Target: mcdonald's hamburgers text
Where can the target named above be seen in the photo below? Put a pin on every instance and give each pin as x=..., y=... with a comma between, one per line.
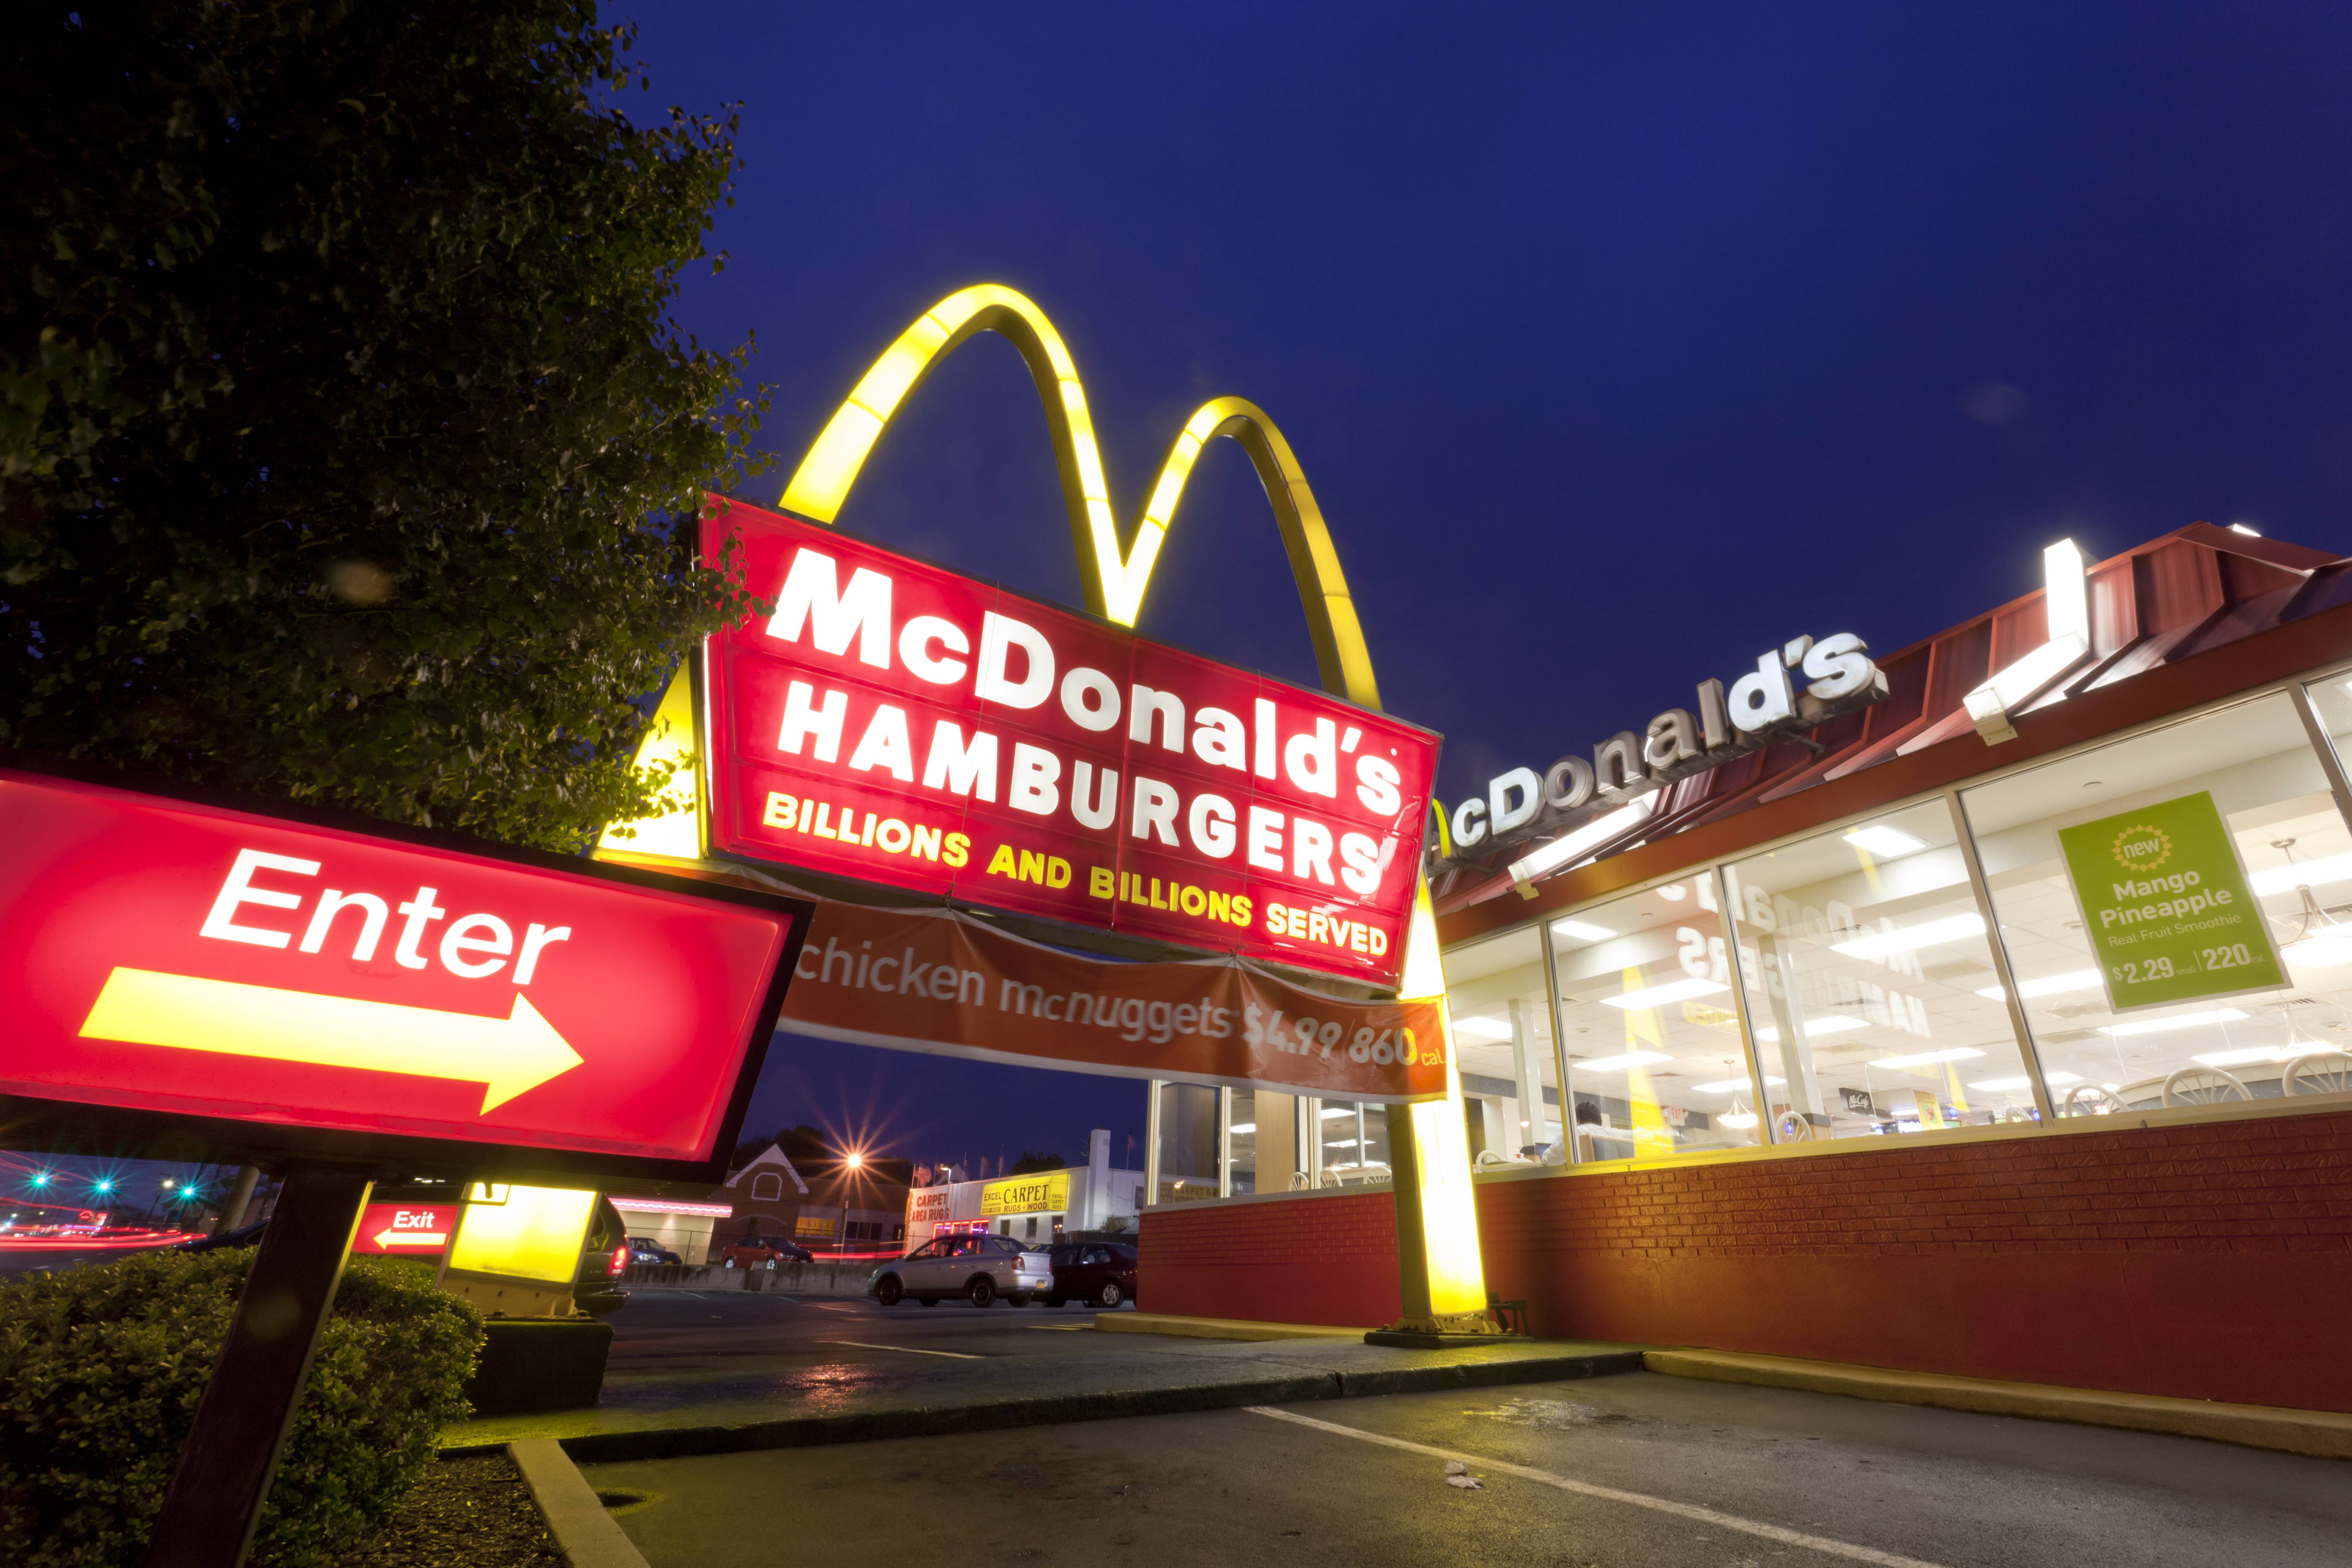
x=895, y=722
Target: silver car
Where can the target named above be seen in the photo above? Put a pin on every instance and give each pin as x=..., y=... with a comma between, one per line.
x=980, y=1268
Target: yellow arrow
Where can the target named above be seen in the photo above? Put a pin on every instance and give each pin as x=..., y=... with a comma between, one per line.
x=507, y=1055
x=409, y=1238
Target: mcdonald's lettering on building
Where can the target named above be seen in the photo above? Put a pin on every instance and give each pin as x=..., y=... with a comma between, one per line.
x=889, y=721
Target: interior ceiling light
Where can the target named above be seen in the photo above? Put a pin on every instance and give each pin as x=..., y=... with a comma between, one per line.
x=1733, y=1085
x=1928, y=1059
x=1483, y=1028
x=1903, y=938
x=1672, y=990
x=1738, y=1116
x=1885, y=842
x=2316, y=873
x=2002, y=1085
x=1584, y=930
x=1330, y=1112
x=2319, y=942
x=1620, y=1064
x=1837, y=1024
x=2240, y=1057
x=1569, y=847
x=2177, y=1021
x=1673, y=892
x=1243, y=1127
x=2048, y=985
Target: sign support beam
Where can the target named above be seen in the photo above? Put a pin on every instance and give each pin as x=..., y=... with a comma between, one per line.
x=232, y=1453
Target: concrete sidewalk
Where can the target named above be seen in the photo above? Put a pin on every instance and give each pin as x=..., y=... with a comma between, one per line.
x=667, y=1414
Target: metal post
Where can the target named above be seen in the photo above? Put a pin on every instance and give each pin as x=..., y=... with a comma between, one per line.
x=1558, y=1041
x=2027, y=1052
x=1150, y=1144
x=1224, y=1143
x=1728, y=917
x=232, y=1452
x=240, y=1197
x=2321, y=741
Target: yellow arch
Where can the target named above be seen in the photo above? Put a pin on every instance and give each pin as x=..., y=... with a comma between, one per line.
x=1115, y=578
x=1442, y=1278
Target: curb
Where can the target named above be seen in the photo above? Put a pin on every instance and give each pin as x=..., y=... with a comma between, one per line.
x=584, y=1531
x=883, y=1425
x=1217, y=1328
x=2322, y=1433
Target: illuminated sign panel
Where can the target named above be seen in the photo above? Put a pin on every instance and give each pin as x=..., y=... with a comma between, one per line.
x=418, y=1229
x=313, y=987
x=1026, y=1195
x=898, y=723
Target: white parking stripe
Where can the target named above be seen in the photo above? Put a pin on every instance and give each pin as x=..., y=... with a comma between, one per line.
x=910, y=1349
x=1611, y=1494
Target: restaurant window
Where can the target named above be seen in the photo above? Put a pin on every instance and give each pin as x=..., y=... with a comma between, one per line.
x=1355, y=1142
x=2122, y=876
x=1503, y=1048
x=1869, y=981
x=1655, y=1062
x=1263, y=1143
x=1186, y=1143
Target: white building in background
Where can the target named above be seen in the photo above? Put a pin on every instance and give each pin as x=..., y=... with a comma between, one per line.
x=1037, y=1206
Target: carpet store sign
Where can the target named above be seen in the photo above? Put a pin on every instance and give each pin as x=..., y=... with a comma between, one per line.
x=898, y=723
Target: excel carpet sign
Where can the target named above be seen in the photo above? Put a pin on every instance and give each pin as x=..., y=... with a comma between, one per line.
x=896, y=724
x=240, y=980
x=2166, y=904
x=1027, y=1194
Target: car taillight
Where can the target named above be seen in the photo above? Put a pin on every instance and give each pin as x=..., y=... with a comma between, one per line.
x=620, y=1261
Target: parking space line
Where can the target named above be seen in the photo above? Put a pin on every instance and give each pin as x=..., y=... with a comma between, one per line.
x=1611, y=1494
x=908, y=1350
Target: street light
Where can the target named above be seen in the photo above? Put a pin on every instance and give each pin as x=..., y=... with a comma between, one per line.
x=854, y=1161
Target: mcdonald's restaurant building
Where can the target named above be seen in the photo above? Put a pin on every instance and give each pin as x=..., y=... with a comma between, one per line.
x=1990, y=1022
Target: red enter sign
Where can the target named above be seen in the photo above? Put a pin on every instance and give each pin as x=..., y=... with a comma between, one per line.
x=163, y=956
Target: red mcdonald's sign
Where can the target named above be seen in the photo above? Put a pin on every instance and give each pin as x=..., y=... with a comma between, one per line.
x=895, y=722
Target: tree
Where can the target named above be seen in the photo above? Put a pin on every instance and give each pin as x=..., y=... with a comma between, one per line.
x=348, y=451
x=1030, y=1163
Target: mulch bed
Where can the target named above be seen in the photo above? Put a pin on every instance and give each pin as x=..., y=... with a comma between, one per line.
x=465, y=1513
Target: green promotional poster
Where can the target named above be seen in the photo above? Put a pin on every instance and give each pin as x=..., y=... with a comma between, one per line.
x=2165, y=905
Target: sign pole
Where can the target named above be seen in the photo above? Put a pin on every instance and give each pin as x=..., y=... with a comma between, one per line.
x=232, y=1452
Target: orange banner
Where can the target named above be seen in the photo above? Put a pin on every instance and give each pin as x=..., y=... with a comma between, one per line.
x=936, y=981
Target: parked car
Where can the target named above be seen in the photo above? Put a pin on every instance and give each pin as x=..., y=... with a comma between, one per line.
x=603, y=1256
x=1102, y=1272
x=766, y=1252
x=980, y=1268
x=645, y=1249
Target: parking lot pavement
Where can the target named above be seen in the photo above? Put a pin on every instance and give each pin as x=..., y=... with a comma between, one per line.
x=734, y=1360
x=1631, y=1471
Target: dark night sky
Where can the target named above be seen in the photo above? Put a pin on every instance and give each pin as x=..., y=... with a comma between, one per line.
x=1619, y=343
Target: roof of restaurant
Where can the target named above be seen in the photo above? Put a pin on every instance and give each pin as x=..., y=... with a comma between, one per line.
x=2155, y=605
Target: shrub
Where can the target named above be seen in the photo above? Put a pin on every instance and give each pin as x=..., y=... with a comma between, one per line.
x=101, y=1371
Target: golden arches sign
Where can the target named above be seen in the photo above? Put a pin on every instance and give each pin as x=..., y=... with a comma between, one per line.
x=1115, y=576
x=1441, y=1278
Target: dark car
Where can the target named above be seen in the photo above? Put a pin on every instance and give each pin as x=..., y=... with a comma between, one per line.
x=645, y=1249
x=766, y=1252
x=1102, y=1272
x=595, y=1289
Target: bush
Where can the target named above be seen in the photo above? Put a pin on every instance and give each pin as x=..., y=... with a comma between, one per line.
x=101, y=1371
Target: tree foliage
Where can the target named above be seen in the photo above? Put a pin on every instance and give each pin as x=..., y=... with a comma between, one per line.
x=348, y=450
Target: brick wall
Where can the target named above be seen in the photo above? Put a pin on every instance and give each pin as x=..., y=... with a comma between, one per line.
x=2211, y=1262
x=1326, y=1259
